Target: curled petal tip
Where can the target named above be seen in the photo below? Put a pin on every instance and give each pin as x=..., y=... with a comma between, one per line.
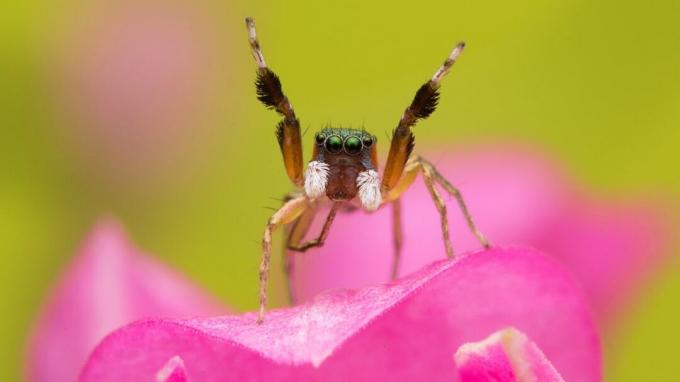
x=505, y=356
x=172, y=371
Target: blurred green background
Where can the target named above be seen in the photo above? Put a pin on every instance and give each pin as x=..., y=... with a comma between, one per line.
x=595, y=82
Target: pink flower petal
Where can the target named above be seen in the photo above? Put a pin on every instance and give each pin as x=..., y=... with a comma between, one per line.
x=405, y=331
x=135, y=81
x=505, y=356
x=173, y=371
x=517, y=196
x=108, y=284
x=611, y=247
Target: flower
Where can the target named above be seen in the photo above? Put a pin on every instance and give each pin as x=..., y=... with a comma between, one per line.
x=108, y=284
x=517, y=196
x=403, y=331
x=505, y=356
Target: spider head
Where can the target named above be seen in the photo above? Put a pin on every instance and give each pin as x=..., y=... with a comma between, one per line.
x=349, y=145
x=343, y=166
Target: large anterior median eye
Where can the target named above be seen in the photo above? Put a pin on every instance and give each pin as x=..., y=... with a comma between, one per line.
x=352, y=145
x=334, y=144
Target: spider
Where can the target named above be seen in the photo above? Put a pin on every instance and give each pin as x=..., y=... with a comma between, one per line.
x=343, y=171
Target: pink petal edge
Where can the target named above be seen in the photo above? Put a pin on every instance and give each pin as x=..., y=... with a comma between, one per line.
x=505, y=356
x=403, y=331
x=108, y=284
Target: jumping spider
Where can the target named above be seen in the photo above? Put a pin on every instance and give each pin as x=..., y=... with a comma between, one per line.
x=343, y=169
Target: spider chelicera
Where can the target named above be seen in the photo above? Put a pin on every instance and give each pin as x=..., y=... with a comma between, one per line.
x=343, y=170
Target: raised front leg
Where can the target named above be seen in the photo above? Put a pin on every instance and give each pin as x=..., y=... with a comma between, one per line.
x=401, y=169
x=423, y=105
x=270, y=93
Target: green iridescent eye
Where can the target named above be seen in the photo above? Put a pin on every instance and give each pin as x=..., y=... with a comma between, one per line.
x=334, y=144
x=320, y=138
x=368, y=141
x=352, y=145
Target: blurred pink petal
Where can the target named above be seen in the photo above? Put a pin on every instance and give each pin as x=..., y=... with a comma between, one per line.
x=611, y=247
x=108, y=284
x=137, y=81
x=405, y=331
x=517, y=196
x=505, y=356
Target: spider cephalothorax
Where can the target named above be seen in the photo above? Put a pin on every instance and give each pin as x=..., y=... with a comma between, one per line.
x=344, y=168
x=343, y=165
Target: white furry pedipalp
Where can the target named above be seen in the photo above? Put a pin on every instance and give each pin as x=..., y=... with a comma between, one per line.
x=316, y=179
x=369, y=189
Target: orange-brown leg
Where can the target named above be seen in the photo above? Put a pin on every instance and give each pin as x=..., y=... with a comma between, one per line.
x=424, y=103
x=270, y=93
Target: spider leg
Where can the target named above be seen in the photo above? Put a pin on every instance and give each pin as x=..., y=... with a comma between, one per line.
x=270, y=93
x=455, y=192
x=396, y=237
x=422, y=106
x=296, y=231
x=441, y=208
x=290, y=211
x=432, y=177
x=318, y=241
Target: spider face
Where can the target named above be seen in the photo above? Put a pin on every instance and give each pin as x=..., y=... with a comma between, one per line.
x=343, y=165
x=336, y=141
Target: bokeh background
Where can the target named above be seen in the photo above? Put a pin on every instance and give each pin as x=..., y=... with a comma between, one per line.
x=145, y=110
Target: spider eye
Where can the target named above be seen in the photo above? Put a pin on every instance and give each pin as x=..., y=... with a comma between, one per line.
x=320, y=138
x=352, y=145
x=367, y=141
x=334, y=144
